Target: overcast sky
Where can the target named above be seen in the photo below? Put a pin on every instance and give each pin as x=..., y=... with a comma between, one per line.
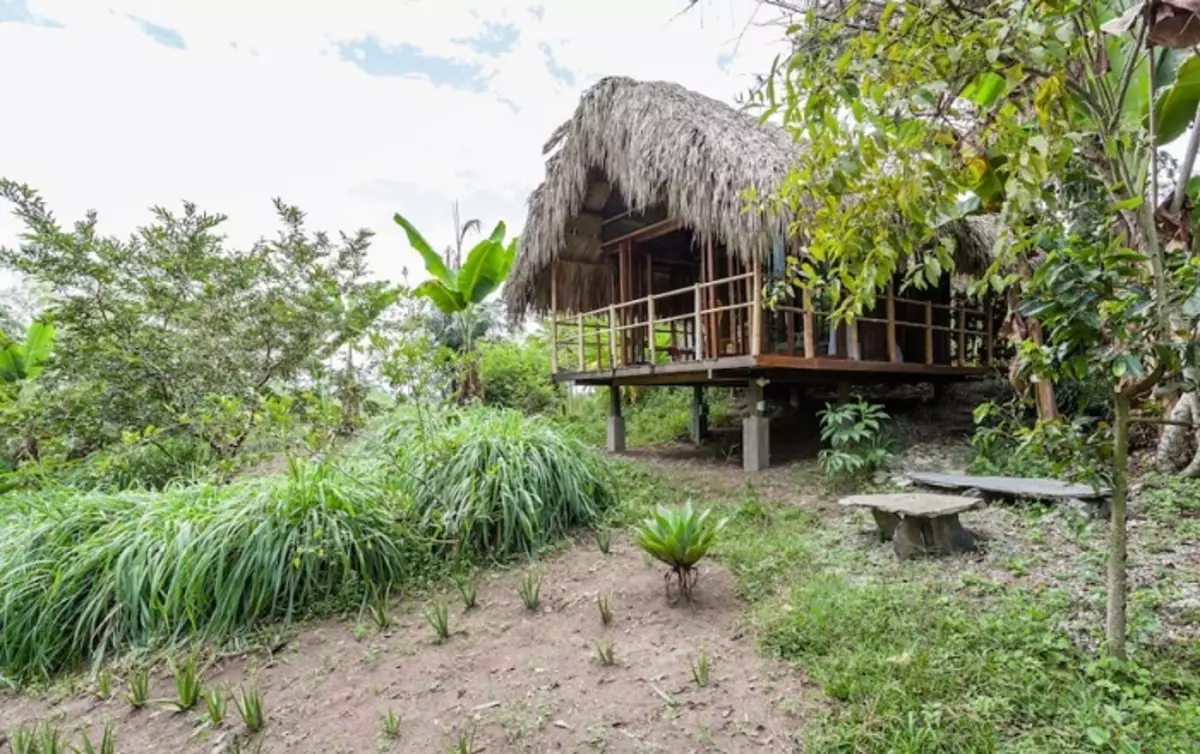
x=352, y=109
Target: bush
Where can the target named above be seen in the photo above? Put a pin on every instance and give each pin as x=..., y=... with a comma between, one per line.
x=495, y=483
x=859, y=442
x=87, y=574
x=516, y=374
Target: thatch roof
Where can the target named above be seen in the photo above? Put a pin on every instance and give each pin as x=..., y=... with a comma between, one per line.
x=658, y=144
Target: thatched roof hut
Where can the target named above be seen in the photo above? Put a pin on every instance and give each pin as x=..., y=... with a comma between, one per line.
x=654, y=145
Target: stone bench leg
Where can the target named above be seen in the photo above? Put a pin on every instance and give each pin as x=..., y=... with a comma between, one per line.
x=887, y=523
x=941, y=535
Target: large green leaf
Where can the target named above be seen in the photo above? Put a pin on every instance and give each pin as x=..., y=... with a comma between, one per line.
x=985, y=89
x=1175, y=108
x=39, y=341
x=486, y=268
x=9, y=364
x=433, y=260
x=447, y=300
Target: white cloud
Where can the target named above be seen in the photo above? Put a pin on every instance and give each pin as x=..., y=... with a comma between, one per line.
x=261, y=103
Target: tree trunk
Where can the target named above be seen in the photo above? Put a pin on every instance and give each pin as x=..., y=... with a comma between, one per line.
x=1116, y=624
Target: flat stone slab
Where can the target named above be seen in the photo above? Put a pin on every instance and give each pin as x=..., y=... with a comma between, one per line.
x=919, y=504
x=1030, y=487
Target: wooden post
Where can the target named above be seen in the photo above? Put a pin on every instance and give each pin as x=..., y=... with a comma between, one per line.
x=554, y=318
x=698, y=340
x=891, y=324
x=928, y=332
x=962, y=332
x=810, y=327
x=612, y=336
x=650, y=326
x=988, y=314
x=852, y=339
x=756, y=311
x=582, y=358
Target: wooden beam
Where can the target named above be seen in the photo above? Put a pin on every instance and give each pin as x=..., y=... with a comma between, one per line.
x=810, y=326
x=989, y=314
x=891, y=323
x=852, y=340
x=612, y=337
x=554, y=318
x=698, y=340
x=756, y=311
x=928, y=332
x=582, y=357
x=962, y=334
x=654, y=230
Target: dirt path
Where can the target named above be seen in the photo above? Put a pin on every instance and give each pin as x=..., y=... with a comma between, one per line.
x=523, y=682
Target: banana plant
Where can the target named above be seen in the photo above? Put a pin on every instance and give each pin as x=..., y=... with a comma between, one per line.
x=24, y=361
x=460, y=293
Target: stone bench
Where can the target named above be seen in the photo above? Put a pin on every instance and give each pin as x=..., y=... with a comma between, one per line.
x=1011, y=488
x=919, y=523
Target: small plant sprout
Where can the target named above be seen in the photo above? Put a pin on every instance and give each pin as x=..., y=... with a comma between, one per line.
x=104, y=684
x=214, y=704
x=250, y=706
x=23, y=740
x=391, y=725
x=438, y=617
x=604, y=605
x=604, y=540
x=50, y=742
x=187, y=685
x=379, y=609
x=139, y=688
x=108, y=742
x=604, y=653
x=530, y=589
x=679, y=537
x=466, y=589
x=463, y=742
x=700, y=668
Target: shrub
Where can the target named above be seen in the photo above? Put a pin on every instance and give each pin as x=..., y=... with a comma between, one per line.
x=679, y=537
x=495, y=483
x=858, y=442
x=516, y=374
x=86, y=574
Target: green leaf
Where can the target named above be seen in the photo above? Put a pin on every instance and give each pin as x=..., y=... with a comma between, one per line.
x=1098, y=736
x=1132, y=202
x=985, y=89
x=1176, y=107
x=433, y=260
x=486, y=267
x=447, y=300
x=8, y=364
x=39, y=341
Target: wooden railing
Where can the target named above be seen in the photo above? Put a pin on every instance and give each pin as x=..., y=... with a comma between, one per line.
x=631, y=334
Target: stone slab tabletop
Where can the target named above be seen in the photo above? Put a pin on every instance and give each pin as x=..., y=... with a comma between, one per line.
x=913, y=503
x=1012, y=486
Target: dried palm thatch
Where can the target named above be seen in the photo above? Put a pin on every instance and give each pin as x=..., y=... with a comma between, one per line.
x=659, y=144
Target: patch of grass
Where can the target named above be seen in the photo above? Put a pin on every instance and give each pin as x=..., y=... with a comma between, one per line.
x=391, y=725
x=604, y=605
x=187, y=684
x=700, y=667
x=108, y=742
x=604, y=652
x=380, y=609
x=461, y=742
x=467, y=591
x=604, y=540
x=438, y=617
x=530, y=590
x=917, y=667
x=250, y=707
x=23, y=740
x=104, y=684
x=51, y=740
x=139, y=688
x=214, y=705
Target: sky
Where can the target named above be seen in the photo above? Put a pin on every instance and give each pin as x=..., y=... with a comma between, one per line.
x=353, y=110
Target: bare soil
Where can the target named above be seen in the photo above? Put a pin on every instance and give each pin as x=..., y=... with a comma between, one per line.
x=521, y=681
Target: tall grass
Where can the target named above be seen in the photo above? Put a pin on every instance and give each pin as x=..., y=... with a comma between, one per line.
x=494, y=483
x=86, y=574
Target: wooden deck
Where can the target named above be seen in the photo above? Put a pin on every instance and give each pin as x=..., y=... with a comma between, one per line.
x=777, y=368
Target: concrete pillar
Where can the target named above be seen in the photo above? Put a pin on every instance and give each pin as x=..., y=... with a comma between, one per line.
x=616, y=423
x=699, y=424
x=756, y=431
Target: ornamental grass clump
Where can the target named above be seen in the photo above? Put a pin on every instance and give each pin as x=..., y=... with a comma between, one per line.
x=496, y=484
x=679, y=537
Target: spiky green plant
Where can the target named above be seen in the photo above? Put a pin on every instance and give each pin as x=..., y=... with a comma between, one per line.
x=438, y=617
x=108, y=742
x=187, y=684
x=214, y=704
x=466, y=589
x=604, y=605
x=391, y=725
x=139, y=688
x=379, y=608
x=84, y=574
x=679, y=537
x=497, y=483
x=604, y=540
x=531, y=590
x=462, y=743
x=104, y=684
x=604, y=652
x=700, y=668
x=23, y=740
x=249, y=702
x=51, y=740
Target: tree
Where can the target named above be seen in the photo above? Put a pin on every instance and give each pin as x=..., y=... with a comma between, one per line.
x=172, y=329
x=915, y=113
x=460, y=294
